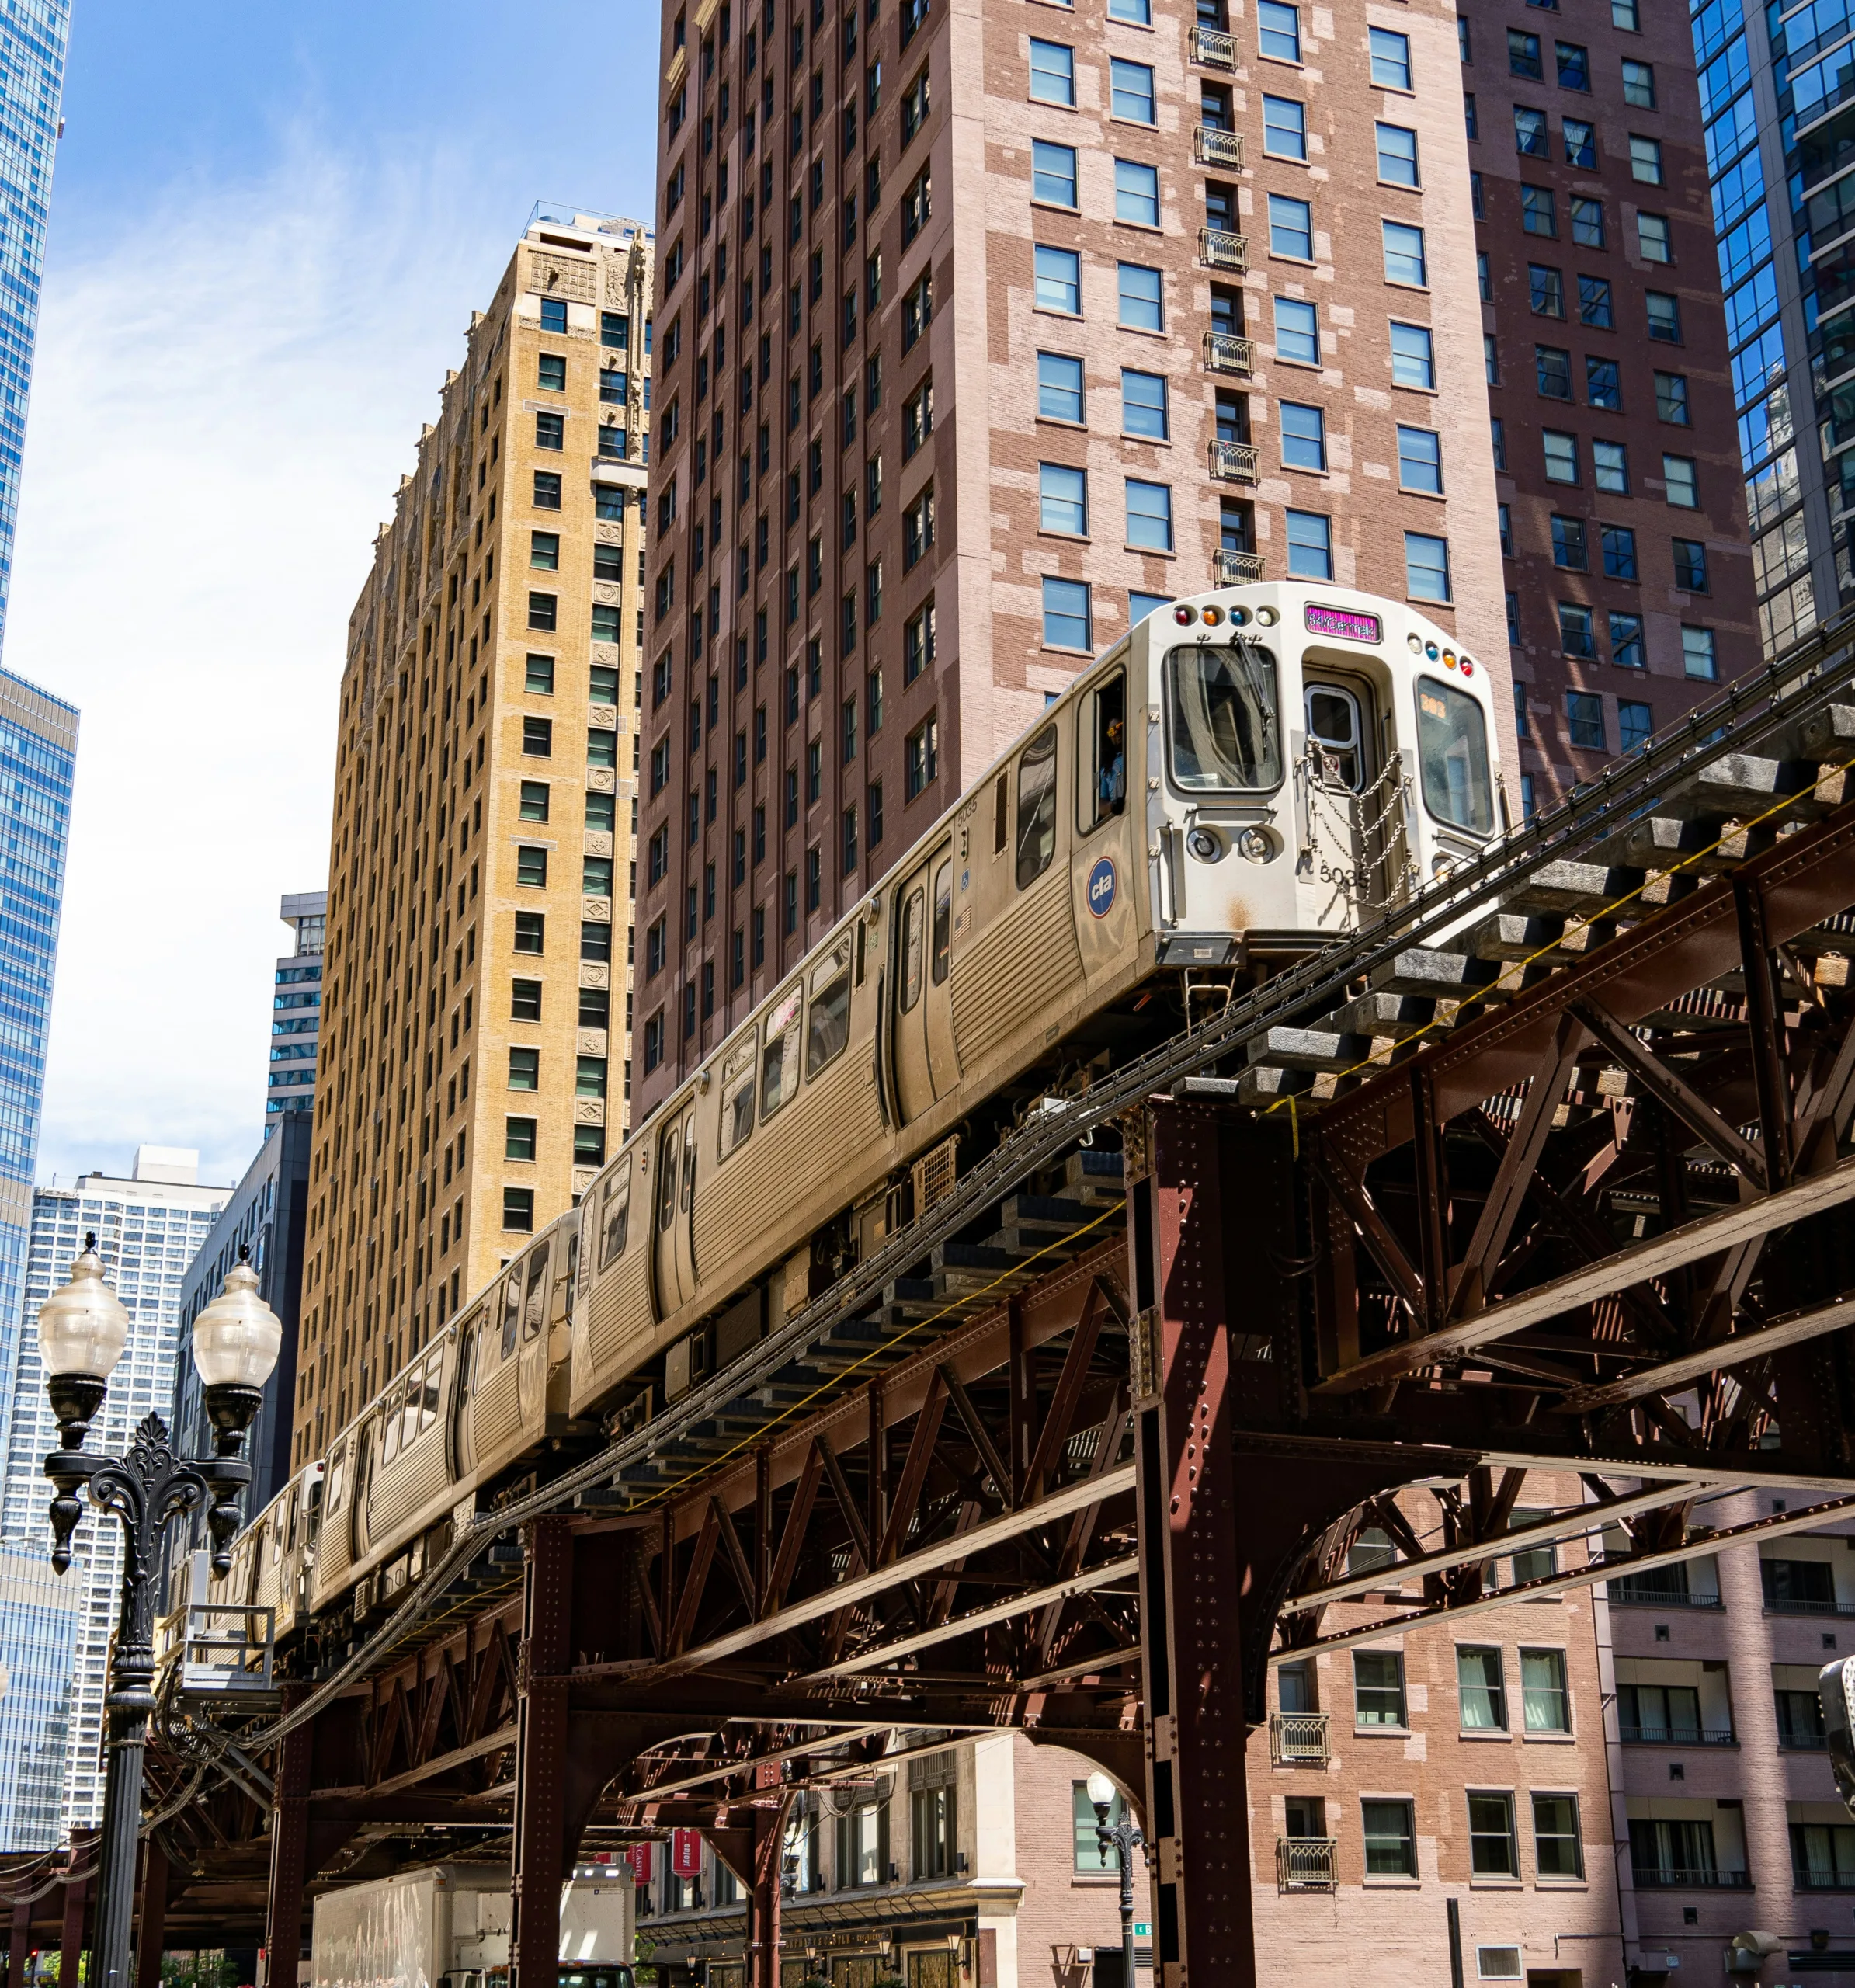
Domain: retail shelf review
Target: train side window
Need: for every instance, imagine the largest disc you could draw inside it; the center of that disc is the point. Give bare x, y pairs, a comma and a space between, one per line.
615, 1217
1101, 755
828, 1011
739, 1070
534, 1310
914, 916
390, 1425
428, 1403
1001, 814
1224, 718
780, 1058
1452, 747
688, 1161
467, 1336
669, 1163
1036, 807
944, 918
512, 1311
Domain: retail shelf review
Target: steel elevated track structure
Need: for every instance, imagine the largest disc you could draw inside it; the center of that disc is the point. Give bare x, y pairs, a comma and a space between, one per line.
1489, 1187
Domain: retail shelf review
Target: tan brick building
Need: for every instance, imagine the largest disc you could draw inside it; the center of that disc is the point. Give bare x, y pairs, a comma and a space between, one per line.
476, 986
986, 325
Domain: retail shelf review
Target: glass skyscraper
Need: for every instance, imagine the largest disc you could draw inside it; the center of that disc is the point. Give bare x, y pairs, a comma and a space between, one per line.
1777, 90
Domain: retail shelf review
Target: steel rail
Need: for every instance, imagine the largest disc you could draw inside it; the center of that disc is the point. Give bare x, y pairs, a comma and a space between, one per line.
1804, 679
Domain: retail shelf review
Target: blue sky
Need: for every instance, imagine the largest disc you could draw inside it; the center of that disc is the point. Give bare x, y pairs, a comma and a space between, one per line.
269, 228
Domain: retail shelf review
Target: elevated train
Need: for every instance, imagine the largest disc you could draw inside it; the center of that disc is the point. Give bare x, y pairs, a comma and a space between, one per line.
1247, 774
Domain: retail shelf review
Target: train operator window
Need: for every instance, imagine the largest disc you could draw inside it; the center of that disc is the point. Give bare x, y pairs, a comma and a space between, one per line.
1001, 814
1101, 757
1226, 727
780, 1059
337, 1479
914, 921
737, 1074
512, 1311
536, 1305
666, 1178
390, 1425
617, 1216
944, 918
1333, 725
1452, 746
828, 1011
1036, 807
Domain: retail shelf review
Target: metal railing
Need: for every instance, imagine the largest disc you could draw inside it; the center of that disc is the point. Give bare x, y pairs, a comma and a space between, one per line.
1802, 1743
1233, 462
1630, 1596
1674, 1877
1225, 353
1212, 147
1219, 249
1798, 1606
1214, 48
1298, 1739
1237, 569
226, 1647
1678, 1735
1823, 1880
1305, 1864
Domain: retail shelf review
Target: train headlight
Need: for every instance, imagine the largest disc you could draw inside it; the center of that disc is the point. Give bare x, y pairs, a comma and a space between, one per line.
1205, 845
1267, 616
1254, 846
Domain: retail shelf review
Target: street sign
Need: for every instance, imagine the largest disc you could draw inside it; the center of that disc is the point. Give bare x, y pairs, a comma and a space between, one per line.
1142, 1930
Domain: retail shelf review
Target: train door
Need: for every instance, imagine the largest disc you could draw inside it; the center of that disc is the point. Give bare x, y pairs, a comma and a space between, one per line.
675, 1261
531, 1380
1348, 799
1103, 866
925, 1066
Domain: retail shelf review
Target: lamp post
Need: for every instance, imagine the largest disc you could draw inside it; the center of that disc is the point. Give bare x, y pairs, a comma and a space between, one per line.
82, 1330
1121, 1838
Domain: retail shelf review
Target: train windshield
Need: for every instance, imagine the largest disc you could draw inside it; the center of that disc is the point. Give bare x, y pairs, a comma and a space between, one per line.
1226, 728
1452, 746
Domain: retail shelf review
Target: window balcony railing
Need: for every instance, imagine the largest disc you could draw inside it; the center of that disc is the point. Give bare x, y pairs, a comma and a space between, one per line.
1679, 1735
1629, 1596
1672, 1877
1803, 1743
1233, 462
1218, 249
1797, 1606
1225, 353
1305, 1864
1296, 1738
1213, 48
1211, 146
1242, 569
1823, 1880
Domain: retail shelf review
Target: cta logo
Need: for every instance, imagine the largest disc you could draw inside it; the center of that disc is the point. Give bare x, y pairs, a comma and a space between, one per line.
1101, 888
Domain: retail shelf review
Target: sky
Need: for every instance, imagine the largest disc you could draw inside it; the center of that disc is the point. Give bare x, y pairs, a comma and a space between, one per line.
269, 228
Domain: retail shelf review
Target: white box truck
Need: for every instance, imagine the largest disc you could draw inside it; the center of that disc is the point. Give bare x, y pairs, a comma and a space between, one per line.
448, 1927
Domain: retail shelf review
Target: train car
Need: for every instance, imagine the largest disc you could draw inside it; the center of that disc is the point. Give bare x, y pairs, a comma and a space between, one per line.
1249, 773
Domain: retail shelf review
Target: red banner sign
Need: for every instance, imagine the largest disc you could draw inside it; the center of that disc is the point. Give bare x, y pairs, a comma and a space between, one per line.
641, 1854
686, 1853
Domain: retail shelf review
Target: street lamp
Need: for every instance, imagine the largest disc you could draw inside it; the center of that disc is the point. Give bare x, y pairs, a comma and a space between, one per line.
1121, 1838
82, 1330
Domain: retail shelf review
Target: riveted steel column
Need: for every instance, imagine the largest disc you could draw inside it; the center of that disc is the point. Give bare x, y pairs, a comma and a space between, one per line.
289, 1846
1198, 1827
151, 1921
538, 1864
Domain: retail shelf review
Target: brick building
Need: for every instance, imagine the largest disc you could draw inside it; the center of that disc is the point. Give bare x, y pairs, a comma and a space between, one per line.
472, 1062
1629, 579
984, 330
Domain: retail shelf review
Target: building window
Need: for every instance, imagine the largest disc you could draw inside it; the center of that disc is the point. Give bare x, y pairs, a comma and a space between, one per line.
1062, 499
1678, 473
524, 1069
1634, 724
1671, 398
1149, 515
1561, 453
1404, 257
1089, 1858
1645, 159
1412, 362
517, 1139
1481, 1690
529, 928
1639, 85
1425, 566
1652, 238
1136, 193
1053, 174
541, 611
1531, 139
537, 679
1610, 467
1545, 291
1584, 714
1594, 307
1284, 128
1066, 618
1290, 227
1390, 59
1626, 641
1377, 1687
1297, 332
518, 1209
1664, 317
1576, 637
1492, 1852
1420, 461
1698, 659
932, 1816
1310, 546
1587, 222
1279, 30
1552, 371
1538, 214
922, 754
1619, 543
1581, 143
534, 801
1603, 385
1304, 437
1524, 55
1059, 386
1142, 307
1690, 564
1390, 1839
547, 490
1130, 91
1059, 280
531, 868
1053, 73
1543, 1698
1143, 404
537, 737
525, 1001
1568, 545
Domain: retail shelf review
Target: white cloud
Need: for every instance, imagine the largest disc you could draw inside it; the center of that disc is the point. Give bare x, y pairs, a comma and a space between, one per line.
228, 391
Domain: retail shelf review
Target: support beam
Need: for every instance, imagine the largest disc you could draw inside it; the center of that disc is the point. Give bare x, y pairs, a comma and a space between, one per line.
71, 1941
539, 1858
979, 1618
151, 1921
1707, 1237
1549, 1585
19, 1942
289, 1845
